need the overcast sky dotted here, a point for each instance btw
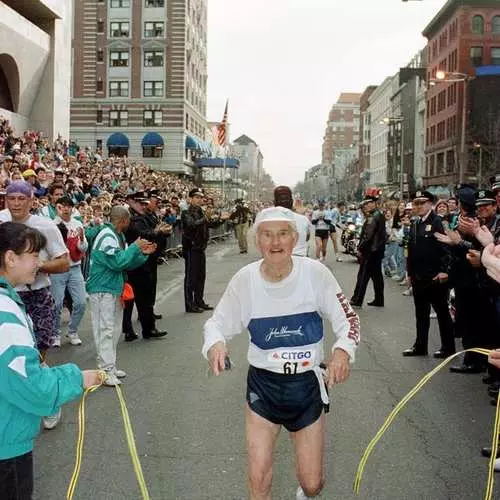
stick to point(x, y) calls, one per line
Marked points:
point(283, 63)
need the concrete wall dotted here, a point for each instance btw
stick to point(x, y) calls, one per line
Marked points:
point(42, 53)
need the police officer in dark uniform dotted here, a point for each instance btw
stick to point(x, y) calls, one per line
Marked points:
point(371, 251)
point(141, 279)
point(195, 225)
point(428, 264)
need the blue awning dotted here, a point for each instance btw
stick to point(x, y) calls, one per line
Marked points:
point(192, 143)
point(218, 163)
point(118, 140)
point(487, 70)
point(152, 139)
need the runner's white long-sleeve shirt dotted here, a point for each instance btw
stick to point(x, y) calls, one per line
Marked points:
point(285, 319)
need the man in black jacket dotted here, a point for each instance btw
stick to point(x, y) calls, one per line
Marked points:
point(371, 251)
point(195, 225)
point(142, 279)
point(428, 263)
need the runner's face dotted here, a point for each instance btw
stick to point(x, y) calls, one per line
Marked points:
point(276, 241)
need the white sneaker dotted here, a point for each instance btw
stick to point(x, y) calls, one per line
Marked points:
point(433, 315)
point(51, 421)
point(74, 339)
point(56, 342)
point(120, 373)
point(339, 259)
point(497, 465)
point(300, 494)
point(408, 293)
point(111, 380)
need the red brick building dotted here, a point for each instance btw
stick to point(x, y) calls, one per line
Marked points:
point(464, 35)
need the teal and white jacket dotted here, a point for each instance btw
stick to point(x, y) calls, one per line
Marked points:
point(109, 259)
point(28, 390)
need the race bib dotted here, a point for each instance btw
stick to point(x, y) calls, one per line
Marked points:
point(291, 362)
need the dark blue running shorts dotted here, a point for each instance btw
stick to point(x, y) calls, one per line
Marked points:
point(293, 401)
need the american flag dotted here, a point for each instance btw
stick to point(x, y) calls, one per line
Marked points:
point(221, 137)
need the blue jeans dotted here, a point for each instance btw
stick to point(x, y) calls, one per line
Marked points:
point(389, 262)
point(73, 281)
point(400, 258)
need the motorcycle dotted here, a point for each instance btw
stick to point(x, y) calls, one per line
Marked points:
point(350, 236)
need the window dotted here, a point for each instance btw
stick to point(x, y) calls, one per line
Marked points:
point(153, 58)
point(495, 56)
point(100, 26)
point(152, 151)
point(119, 30)
point(440, 163)
point(450, 161)
point(495, 24)
point(478, 25)
point(153, 29)
point(476, 56)
point(119, 4)
point(100, 55)
point(98, 118)
point(153, 89)
point(153, 118)
point(118, 89)
point(118, 58)
point(118, 118)
point(98, 144)
point(155, 3)
point(99, 86)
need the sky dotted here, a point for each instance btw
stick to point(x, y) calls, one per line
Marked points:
point(283, 63)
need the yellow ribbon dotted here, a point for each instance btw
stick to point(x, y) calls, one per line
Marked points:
point(130, 441)
point(402, 404)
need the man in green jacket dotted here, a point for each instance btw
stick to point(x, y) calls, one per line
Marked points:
point(109, 259)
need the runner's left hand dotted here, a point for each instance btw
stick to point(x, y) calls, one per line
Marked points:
point(338, 368)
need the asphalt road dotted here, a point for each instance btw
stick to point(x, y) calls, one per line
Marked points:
point(189, 427)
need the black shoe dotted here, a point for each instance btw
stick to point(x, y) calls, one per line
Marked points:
point(206, 307)
point(486, 451)
point(157, 316)
point(243, 251)
point(130, 336)
point(493, 392)
point(442, 354)
point(354, 303)
point(463, 368)
point(154, 334)
point(413, 351)
point(195, 309)
point(376, 304)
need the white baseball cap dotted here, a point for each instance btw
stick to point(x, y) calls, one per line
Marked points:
point(275, 214)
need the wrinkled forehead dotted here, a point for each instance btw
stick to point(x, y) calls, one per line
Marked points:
point(275, 226)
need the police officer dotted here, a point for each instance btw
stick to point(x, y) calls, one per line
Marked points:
point(141, 279)
point(371, 251)
point(195, 225)
point(241, 217)
point(428, 263)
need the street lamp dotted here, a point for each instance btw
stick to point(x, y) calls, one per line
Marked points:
point(391, 120)
point(449, 77)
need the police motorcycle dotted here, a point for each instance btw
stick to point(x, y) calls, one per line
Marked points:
point(351, 232)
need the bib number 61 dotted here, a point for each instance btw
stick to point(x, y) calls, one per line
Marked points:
point(290, 368)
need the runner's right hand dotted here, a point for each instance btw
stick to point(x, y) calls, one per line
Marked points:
point(217, 357)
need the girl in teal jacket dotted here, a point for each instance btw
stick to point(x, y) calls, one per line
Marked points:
point(28, 390)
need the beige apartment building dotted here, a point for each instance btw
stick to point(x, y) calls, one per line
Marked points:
point(140, 80)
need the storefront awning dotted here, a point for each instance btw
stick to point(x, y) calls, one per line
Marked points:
point(218, 163)
point(152, 139)
point(118, 140)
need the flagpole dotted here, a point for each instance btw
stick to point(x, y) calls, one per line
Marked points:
point(224, 175)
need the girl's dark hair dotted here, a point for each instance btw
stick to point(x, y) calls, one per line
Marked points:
point(19, 239)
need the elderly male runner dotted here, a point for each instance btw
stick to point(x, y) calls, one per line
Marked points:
point(282, 300)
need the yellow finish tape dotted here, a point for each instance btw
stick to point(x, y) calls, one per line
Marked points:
point(402, 404)
point(130, 441)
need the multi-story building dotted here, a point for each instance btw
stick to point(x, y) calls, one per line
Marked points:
point(363, 165)
point(35, 65)
point(251, 160)
point(342, 128)
point(140, 79)
point(319, 183)
point(463, 36)
point(379, 109)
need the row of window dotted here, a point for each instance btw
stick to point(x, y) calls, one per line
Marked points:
point(121, 29)
point(119, 118)
point(120, 88)
point(121, 58)
point(478, 25)
point(440, 163)
point(125, 4)
point(445, 129)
